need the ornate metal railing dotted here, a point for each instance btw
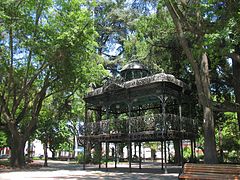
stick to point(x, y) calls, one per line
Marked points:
point(156, 122)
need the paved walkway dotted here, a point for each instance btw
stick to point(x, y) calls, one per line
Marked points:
point(65, 170)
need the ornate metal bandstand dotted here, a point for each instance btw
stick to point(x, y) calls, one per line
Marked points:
point(138, 107)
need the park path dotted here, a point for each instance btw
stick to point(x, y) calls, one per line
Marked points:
point(64, 170)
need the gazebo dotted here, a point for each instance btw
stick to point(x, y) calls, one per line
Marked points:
point(138, 107)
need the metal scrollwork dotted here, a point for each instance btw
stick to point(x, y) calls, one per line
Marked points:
point(156, 122)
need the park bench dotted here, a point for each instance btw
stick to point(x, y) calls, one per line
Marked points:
point(210, 171)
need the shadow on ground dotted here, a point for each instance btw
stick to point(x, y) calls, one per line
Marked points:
point(65, 170)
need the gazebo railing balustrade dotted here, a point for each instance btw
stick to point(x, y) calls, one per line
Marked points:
point(118, 126)
point(189, 125)
point(157, 122)
point(172, 122)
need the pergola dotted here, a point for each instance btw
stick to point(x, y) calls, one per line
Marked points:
point(156, 108)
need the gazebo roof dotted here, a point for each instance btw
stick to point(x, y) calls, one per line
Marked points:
point(134, 65)
point(117, 91)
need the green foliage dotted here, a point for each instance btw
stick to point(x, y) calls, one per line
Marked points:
point(152, 145)
point(154, 35)
point(227, 132)
point(80, 158)
point(104, 159)
point(231, 138)
point(3, 139)
point(52, 126)
point(96, 157)
point(186, 153)
point(5, 163)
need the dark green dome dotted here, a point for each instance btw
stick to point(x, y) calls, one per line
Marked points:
point(134, 70)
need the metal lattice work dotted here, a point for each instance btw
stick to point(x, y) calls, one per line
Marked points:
point(156, 122)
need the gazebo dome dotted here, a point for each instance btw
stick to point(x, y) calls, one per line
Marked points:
point(134, 70)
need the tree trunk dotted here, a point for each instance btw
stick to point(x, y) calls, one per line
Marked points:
point(29, 149)
point(153, 154)
point(59, 154)
point(176, 145)
point(210, 153)
point(97, 153)
point(121, 157)
point(221, 145)
point(236, 83)
point(202, 82)
point(88, 152)
point(69, 151)
point(210, 156)
point(17, 152)
point(74, 146)
point(45, 154)
point(53, 155)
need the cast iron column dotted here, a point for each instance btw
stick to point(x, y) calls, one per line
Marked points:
point(191, 150)
point(115, 154)
point(107, 143)
point(164, 99)
point(100, 154)
point(165, 157)
point(162, 153)
point(181, 150)
point(139, 156)
point(107, 153)
point(129, 138)
point(99, 145)
point(84, 132)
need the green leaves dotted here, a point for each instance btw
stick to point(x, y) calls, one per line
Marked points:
point(3, 139)
point(229, 136)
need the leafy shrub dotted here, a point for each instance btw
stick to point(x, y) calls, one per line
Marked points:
point(96, 158)
point(187, 153)
point(80, 158)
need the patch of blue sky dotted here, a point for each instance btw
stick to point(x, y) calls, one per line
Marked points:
point(229, 61)
point(148, 7)
point(212, 9)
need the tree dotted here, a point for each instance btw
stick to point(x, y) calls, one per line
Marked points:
point(226, 63)
point(189, 21)
point(46, 47)
point(52, 129)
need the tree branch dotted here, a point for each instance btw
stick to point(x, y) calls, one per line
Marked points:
point(183, 41)
point(226, 107)
point(4, 108)
point(235, 57)
point(37, 105)
point(184, 20)
point(38, 15)
point(24, 110)
point(25, 89)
